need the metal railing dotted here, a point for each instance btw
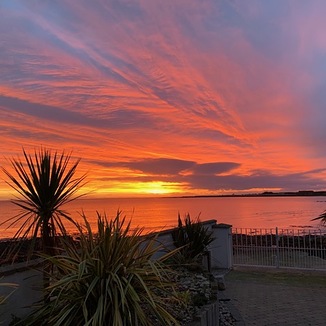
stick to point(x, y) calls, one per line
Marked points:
point(289, 248)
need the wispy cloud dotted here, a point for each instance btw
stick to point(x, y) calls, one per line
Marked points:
point(200, 93)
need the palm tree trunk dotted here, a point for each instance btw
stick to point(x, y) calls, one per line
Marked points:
point(49, 250)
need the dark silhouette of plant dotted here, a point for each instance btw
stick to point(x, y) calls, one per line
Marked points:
point(192, 238)
point(107, 278)
point(44, 183)
point(321, 217)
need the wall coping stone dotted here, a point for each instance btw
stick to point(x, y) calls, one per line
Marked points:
point(19, 267)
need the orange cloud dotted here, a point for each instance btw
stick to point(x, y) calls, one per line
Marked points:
point(207, 82)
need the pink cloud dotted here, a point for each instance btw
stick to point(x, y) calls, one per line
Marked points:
point(207, 81)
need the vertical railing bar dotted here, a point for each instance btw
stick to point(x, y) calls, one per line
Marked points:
point(280, 246)
point(270, 247)
point(240, 242)
point(265, 253)
point(246, 245)
point(259, 257)
point(257, 246)
point(301, 258)
point(293, 248)
point(277, 250)
point(316, 246)
point(245, 257)
point(262, 248)
point(323, 249)
point(307, 249)
point(296, 248)
point(304, 247)
point(235, 244)
point(285, 251)
point(308, 244)
point(243, 242)
point(266, 247)
point(251, 245)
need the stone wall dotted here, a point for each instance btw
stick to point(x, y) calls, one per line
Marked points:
point(208, 316)
point(29, 282)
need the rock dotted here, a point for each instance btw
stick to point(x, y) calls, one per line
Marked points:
point(220, 283)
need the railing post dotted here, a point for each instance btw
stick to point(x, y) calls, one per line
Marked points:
point(277, 249)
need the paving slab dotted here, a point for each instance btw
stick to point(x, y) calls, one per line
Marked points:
point(277, 297)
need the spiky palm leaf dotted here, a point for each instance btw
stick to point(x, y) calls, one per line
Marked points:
point(321, 217)
point(3, 298)
point(44, 183)
point(107, 278)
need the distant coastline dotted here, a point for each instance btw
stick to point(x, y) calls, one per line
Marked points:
point(300, 193)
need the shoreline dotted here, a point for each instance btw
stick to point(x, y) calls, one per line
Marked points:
point(300, 193)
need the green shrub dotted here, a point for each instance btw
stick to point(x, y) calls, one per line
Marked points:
point(192, 238)
point(107, 278)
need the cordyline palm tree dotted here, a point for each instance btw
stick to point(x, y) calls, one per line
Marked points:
point(44, 183)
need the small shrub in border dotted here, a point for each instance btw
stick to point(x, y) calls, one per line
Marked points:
point(192, 239)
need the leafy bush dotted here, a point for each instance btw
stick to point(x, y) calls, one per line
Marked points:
point(107, 278)
point(192, 238)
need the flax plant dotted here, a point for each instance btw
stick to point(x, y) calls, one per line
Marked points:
point(107, 278)
point(44, 183)
point(192, 237)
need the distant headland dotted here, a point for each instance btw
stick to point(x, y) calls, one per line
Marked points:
point(302, 193)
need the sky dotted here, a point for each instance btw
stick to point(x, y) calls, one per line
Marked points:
point(166, 97)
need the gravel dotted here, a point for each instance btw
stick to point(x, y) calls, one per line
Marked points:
point(203, 291)
point(225, 316)
point(197, 289)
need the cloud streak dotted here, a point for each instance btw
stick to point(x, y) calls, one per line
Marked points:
point(199, 94)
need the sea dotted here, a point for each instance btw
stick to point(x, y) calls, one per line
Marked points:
point(159, 213)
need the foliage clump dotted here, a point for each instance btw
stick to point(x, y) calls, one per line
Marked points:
point(107, 278)
point(192, 239)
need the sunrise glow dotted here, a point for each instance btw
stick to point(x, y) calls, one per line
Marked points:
point(168, 97)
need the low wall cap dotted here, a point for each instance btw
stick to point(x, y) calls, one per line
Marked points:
point(222, 226)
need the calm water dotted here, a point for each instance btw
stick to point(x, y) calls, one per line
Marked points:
point(160, 213)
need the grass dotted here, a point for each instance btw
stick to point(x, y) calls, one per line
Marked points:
point(279, 276)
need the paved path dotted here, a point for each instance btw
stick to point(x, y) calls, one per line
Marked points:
point(268, 298)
